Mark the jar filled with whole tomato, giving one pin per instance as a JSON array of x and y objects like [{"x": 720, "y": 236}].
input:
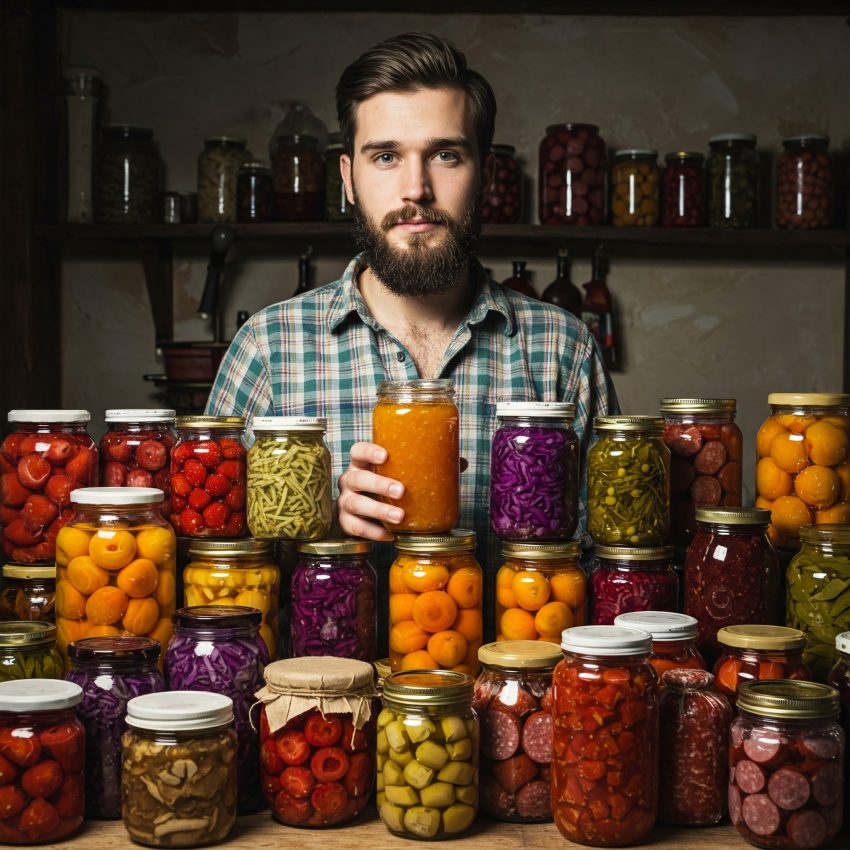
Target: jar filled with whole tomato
[
  {"x": 417, "y": 423},
  {"x": 733, "y": 180},
  {"x": 683, "y": 190},
  {"x": 28, "y": 651},
  {"x": 605, "y": 701},
  {"x": 29, "y": 592},
  {"x": 674, "y": 638},
  {"x": 317, "y": 739},
  {"x": 634, "y": 188},
  {"x": 48, "y": 454},
  {"x": 804, "y": 183},
  {"x": 503, "y": 199}
]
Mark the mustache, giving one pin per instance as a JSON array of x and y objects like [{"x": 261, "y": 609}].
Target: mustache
[{"x": 412, "y": 211}]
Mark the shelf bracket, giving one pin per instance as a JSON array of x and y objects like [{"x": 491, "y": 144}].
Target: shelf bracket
[{"x": 157, "y": 259}]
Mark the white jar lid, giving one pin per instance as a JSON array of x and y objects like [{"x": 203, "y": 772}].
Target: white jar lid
[
  {"x": 176, "y": 711},
  {"x": 606, "y": 640},
  {"x": 842, "y": 642},
  {"x": 116, "y": 496},
  {"x": 38, "y": 695},
  {"x": 49, "y": 416},
  {"x": 537, "y": 409},
  {"x": 289, "y": 423},
  {"x": 662, "y": 625},
  {"x": 733, "y": 137},
  {"x": 139, "y": 414}
]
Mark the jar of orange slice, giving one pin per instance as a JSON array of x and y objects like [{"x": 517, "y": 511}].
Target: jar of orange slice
[
  {"x": 540, "y": 591},
  {"x": 803, "y": 463},
  {"x": 115, "y": 566},
  {"x": 435, "y": 603}
]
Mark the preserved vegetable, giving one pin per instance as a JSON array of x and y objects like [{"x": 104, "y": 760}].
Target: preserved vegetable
[
  {"x": 254, "y": 192},
  {"x": 674, "y": 639},
  {"x": 733, "y": 181},
  {"x": 218, "y": 169},
  {"x": 28, "y": 651},
  {"x": 29, "y": 593}
]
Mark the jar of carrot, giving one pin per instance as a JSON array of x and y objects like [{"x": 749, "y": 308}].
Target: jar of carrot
[
  {"x": 417, "y": 423},
  {"x": 435, "y": 603}
]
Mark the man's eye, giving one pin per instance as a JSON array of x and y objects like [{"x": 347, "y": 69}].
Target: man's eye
[
  {"x": 447, "y": 156},
  {"x": 385, "y": 158}
]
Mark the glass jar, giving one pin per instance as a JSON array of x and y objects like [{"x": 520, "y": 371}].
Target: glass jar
[
  {"x": 839, "y": 678},
  {"x": 44, "y": 756},
  {"x": 337, "y": 207},
  {"x": 803, "y": 467},
  {"x": 513, "y": 701},
  {"x": 83, "y": 89},
  {"x": 573, "y": 183},
  {"x": 334, "y": 599},
  {"x": 634, "y": 188},
  {"x": 116, "y": 562},
  {"x": 786, "y": 765},
  {"x": 48, "y": 454},
  {"x": 298, "y": 174},
  {"x": 628, "y": 482},
  {"x": 674, "y": 638},
  {"x": 236, "y": 572},
  {"x": 733, "y": 180},
  {"x": 683, "y": 190},
  {"x": 753, "y": 653},
  {"x": 254, "y": 192},
  {"x": 416, "y": 422},
  {"x": 503, "y": 198},
  {"x": 208, "y": 473},
  {"x": 29, "y": 593},
  {"x": 289, "y": 479},
  {"x": 110, "y": 671},
  {"x": 705, "y": 469},
  {"x": 732, "y": 574},
  {"x": 540, "y": 591},
  {"x": 317, "y": 739},
  {"x": 534, "y": 471},
  {"x": 178, "y": 785},
  {"x": 428, "y": 742},
  {"x": 804, "y": 183},
  {"x": 818, "y": 600},
  {"x": 627, "y": 579},
  {"x": 605, "y": 700},
  {"x": 28, "y": 651},
  {"x": 128, "y": 176},
  {"x": 218, "y": 168},
  {"x": 435, "y": 602},
  {"x": 694, "y": 726}
]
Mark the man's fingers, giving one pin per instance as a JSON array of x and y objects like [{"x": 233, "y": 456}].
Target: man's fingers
[
  {"x": 364, "y": 481},
  {"x": 366, "y": 454}
]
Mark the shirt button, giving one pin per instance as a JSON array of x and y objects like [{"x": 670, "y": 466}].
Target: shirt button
[{"x": 400, "y": 356}]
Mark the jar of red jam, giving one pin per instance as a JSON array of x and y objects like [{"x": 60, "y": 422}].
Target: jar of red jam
[
  {"x": 48, "y": 454},
  {"x": 573, "y": 182},
  {"x": 804, "y": 183},
  {"x": 605, "y": 716},
  {"x": 732, "y": 573},
  {"x": 683, "y": 190},
  {"x": 674, "y": 638},
  {"x": 503, "y": 198}
]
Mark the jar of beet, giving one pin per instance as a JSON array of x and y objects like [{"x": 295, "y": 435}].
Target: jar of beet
[
  {"x": 683, "y": 190},
  {"x": 733, "y": 180},
  {"x": 503, "y": 198},
  {"x": 804, "y": 183},
  {"x": 674, "y": 638}
]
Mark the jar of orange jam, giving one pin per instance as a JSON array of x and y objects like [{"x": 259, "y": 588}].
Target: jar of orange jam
[{"x": 417, "y": 423}]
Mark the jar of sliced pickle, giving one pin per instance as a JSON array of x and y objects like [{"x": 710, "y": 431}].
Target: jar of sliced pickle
[
  {"x": 804, "y": 183},
  {"x": 218, "y": 170},
  {"x": 29, "y": 592},
  {"x": 337, "y": 206},
  {"x": 733, "y": 181},
  {"x": 674, "y": 638},
  {"x": 503, "y": 198},
  {"x": 683, "y": 190},
  {"x": 128, "y": 176},
  {"x": 634, "y": 188},
  {"x": 28, "y": 651}
]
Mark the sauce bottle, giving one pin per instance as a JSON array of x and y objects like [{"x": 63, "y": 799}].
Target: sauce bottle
[
  {"x": 597, "y": 311},
  {"x": 562, "y": 292}
]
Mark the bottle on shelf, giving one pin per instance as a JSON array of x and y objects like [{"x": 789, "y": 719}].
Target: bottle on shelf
[
  {"x": 242, "y": 316},
  {"x": 597, "y": 310},
  {"x": 519, "y": 281},
  {"x": 303, "y": 275},
  {"x": 562, "y": 292}
]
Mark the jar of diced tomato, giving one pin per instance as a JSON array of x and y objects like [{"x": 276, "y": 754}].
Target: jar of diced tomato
[
  {"x": 674, "y": 638},
  {"x": 605, "y": 714},
  {"x": 48, "y": 454},
  {"x": 317, "y": 739},
  {"x": 208, "y": 475},
  {"x": 42, "y": 747}
]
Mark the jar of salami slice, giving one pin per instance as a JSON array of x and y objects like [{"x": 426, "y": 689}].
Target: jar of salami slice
[
  {"x": 674, "y": 638},
  {"x": 605, "y": 715},
  {"x": 786, "y": 765},
  {"x": 804, "y": 183},
  {"x": 683, "y": 190},
  {"x": 513, "y": 699},
  {"x": 503, "y": 200}
]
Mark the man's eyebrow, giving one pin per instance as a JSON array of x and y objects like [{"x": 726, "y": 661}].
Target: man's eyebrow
[{"x": 442, "y": 142}]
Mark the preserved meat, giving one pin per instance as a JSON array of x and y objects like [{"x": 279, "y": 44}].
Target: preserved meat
[{"x": 499, "y": 734}]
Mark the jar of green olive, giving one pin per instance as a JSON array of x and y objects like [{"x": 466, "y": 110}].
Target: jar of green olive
[
  {"x": 733, "y": 180},
  {"x": 28, "y": 651}
]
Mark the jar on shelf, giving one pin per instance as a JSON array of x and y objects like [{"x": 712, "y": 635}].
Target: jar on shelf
[
  {"x": 28, "y": 651},
  {"x": 634, "y": 188},
  {"x": 732, "y": 574},
  {"x": 337, "y": 206},
  {"x": 299, "y": 179},
  {"x": 116, "y": 561},
  {"x": 573, "y": 184},
  {"x": 804, "y": 183},
  {"x": 674, "y": 638},
  {"x": 164, "y": 801},
  {"x": 435, "y": 602},
  {"x": 839, "y": 678},
  {"x": 289, "y": 479},
  {"x": 605, "y": 699},
  {"x": 733, "y": 181},
  {"x": 110, "y": 671},
  {"x": 317, "y": 735},
  {"x": 428, "y": 741},
  {"x": 803, "y": 463},
  {"x": 540, "y": 591},
  {"x": 705, "y": 468},
  {"x": 48, "y": 454},
  {"x": 44, "y": 786},
  {"x": 218, "y": 169},
  {"x": 513, "y": 700},
  {"x": 534, "y": 471},
  {"x": 334, "y": 599},
  {"x": 128, "y": 176},
  {"x": 208, "y": 474},
  {"x": 503, "y": 198},
  {"x": 236, "y": 572},
  {"x": 683, "y": 190},
  {"x": 83, "y": 89},
  {"x": 786, "y": 778},
  {"x": 29, "y": 593},
  {"x": 752, "y": 653},
  {"x": 254, "y": 192},
  {"x": 417, "y": 423},
  {"x": 628, "y": 482}
]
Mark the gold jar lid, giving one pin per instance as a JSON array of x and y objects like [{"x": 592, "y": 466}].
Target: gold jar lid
[
  {"x": 30, "y": 571},
  {"x": 457, "y": 540},
  {"x": 244, "y": 546},
  {"x": 808, "y": 400},
  {"x": 643, "y": 424},
  {"x": 634, "y": 553},
  {"x": 211, "y": 422},
  {"x": 343, "y": 546},
  {"x": 416, "y": 385},
  {"x": 24, "y": 633},
  {"x": 733, "y": 516},
  {"x": 428, "y": 687},
  {"x": 698, "y": 405},
  {"x": 520, "y": 654},
  {"x": 787, "y": 699},
  {"x": 768, "y": 638},
  {"x": 542, "y": 551},
  {"x": 826, "y": 533},
  {"x": 684, "y": 156}
]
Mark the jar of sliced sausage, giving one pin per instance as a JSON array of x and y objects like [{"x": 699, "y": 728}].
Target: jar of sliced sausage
[
  {"x": 674, "y": 638},
  {"x": 804, "y": 183}
]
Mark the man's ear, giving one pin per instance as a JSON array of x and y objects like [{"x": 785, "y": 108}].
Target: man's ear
[
  {"x": 345, "y": 171},
  {"x": 488, "y": 173}
]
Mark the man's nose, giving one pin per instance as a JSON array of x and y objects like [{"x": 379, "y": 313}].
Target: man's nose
[{"x": 416, "y": 182}]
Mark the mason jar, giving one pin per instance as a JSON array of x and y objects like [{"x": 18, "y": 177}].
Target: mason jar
[
  {"x": 298, "y": 174},
  {"x": 804, "y": 183},
  {"x": 254, "y": 192},
  {"x": 128, "y": 176},
  {"x": 839, "y": 678},
  {"x": 29, "y": 593},
  {"x": 634, "y": 188},
  {"x": 683, "y": 190},
  {"x": 733, "y": 181},
  {"x": 337, "y": 207},
  {"x": 503, "y": 199},
  {"x": 674, "y": 638},
  {"x": 218, "y": 169},
  {"x": 28, "y": 651}
]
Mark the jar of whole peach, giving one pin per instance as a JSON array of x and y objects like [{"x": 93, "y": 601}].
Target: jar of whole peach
[
  {"x": 803, "y": 469},
  {"x": 435, "y": 603},
  {"x": 635, "y": 188},
  {"x": 115, "y": 561}
]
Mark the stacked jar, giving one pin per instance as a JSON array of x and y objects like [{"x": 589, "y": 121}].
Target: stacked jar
[
  {"x": 804, "y": 183},
  {"x": 683, "y": 190},
  {"x": 634, "y": 188},
  {"x": 503, "y": 198}
]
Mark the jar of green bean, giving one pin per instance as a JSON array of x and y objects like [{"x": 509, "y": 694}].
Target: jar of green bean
[
  {"x": 628, "y": 482},
  {"x": 289, "y": 479},
  {"x": 28, "y": 651}
]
